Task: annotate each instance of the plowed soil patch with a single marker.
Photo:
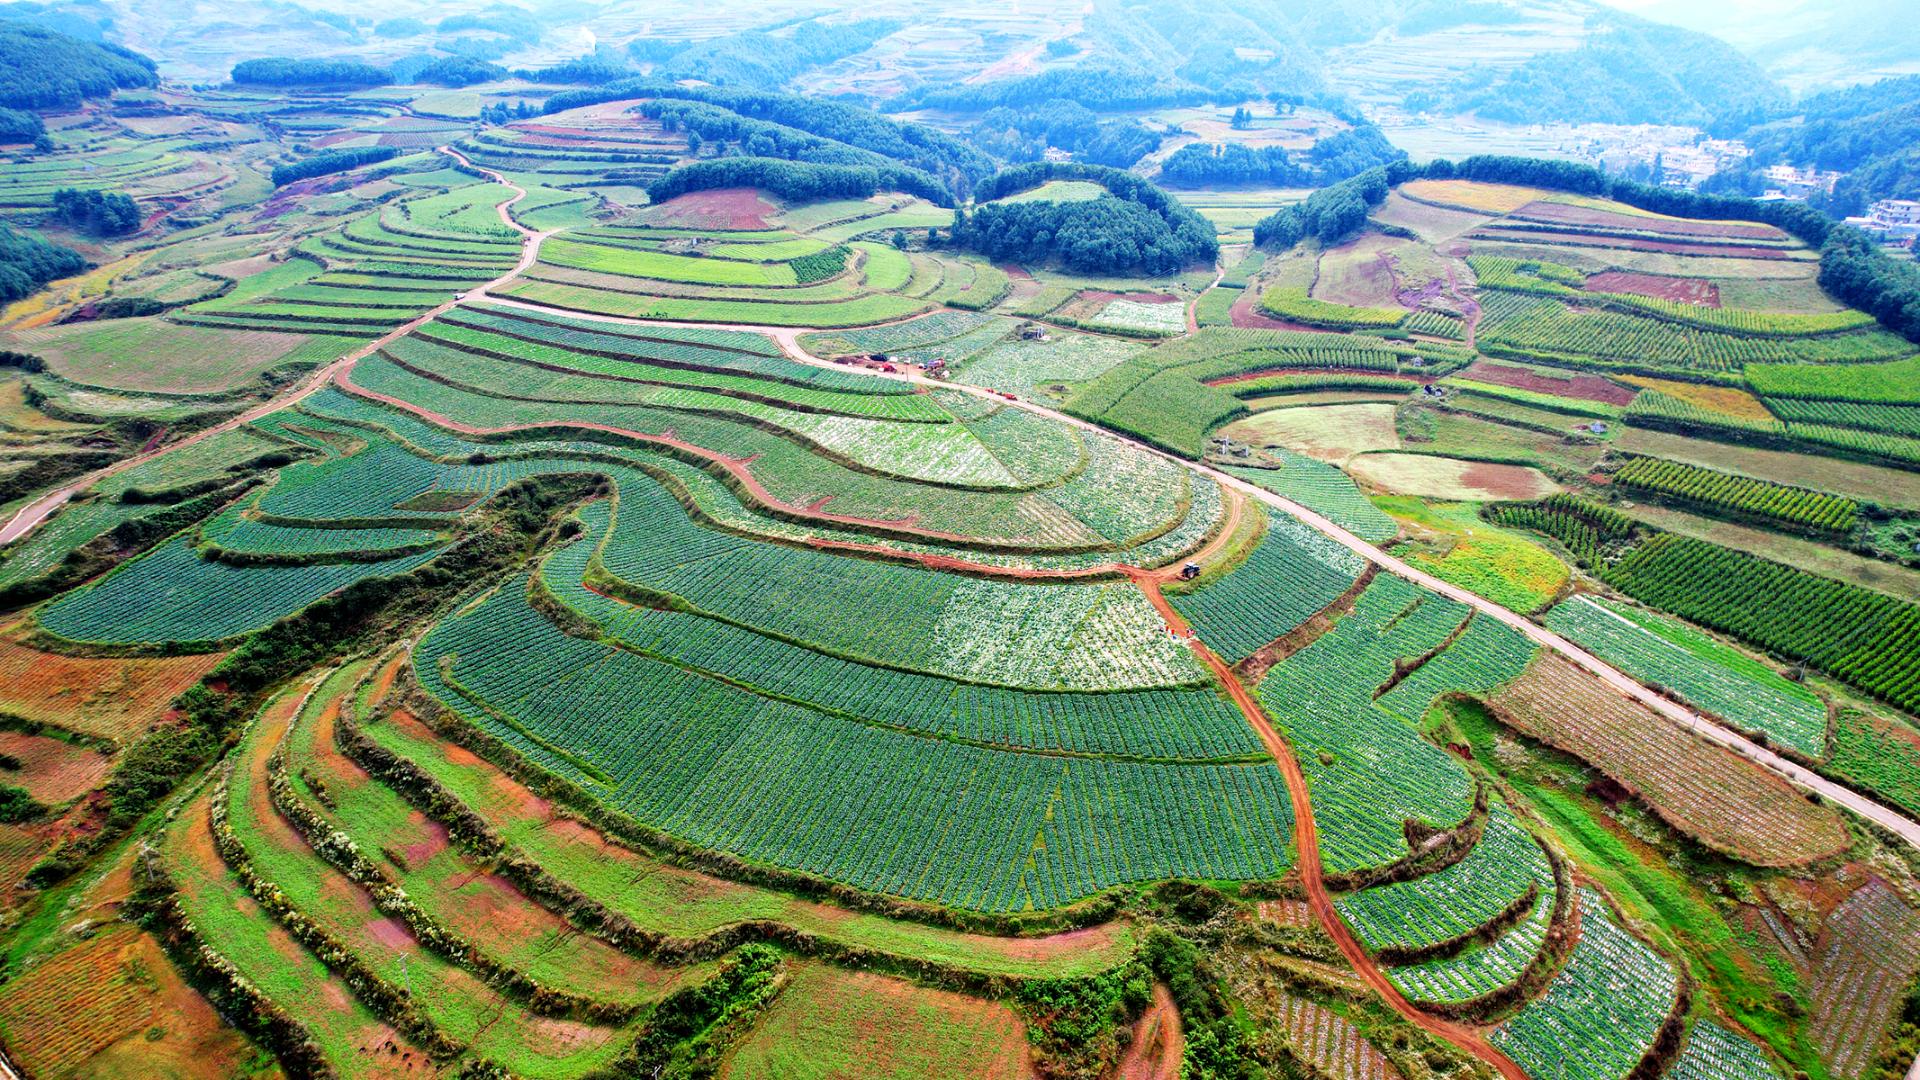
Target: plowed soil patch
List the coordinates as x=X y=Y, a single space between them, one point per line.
x=1583 y=387
x=855 y=1024
x=1670 y=247
x=52 y=771
x=720 y=208
x=1565 y=214
x=1683 y=290
x=113 y=698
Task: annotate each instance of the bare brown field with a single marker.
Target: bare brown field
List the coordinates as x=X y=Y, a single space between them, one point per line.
x=1703 y=790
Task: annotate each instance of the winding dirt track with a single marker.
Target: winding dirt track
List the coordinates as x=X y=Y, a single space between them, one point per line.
x=1306 y=838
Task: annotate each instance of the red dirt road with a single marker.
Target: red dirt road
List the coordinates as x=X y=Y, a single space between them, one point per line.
x=1307 y=841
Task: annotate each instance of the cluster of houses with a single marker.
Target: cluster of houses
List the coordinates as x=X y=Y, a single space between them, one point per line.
x=1891 y=221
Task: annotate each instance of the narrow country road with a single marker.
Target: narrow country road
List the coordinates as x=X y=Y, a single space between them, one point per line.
x=1806 y=779
x=33 y=514
x=1306 y=839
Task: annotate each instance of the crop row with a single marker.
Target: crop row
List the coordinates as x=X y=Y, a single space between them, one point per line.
x=1711 y=676
x=1631 y=340
x=1292 y=573
x=171 y=594
x=859 y=310
x=1147 y=723
x=1325 y=490
x=882 y=810
x=1456 y=901
x=462 y=337
x=1867 y=638
x=1369 y=769
x=1295 y=305
x=1728 y=491
x=1479 y=971
x=1602 y=1014
x=1048 y=636
x=1900 y=420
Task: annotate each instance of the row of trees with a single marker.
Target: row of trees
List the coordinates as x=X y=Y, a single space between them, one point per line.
x=947 y=159
x=795 y=181
x=286 y=71
x=330 y=161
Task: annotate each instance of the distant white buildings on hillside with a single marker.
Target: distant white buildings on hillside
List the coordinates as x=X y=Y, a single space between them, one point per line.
x=1892 y=221
x=1787 y=182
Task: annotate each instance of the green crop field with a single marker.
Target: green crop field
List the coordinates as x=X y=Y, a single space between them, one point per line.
x=648 y=566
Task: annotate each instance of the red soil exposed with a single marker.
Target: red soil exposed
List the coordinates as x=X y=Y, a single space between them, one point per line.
x=1504 y=481
x=1583 y=387
x=1307 y=842
x=1157 y=1046
x=719 y=208
x=1684 y=290
x=1669 y=247
x=1565 y=214
x=50 y=770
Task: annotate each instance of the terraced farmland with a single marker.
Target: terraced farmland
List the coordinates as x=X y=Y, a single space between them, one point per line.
x=702 y=652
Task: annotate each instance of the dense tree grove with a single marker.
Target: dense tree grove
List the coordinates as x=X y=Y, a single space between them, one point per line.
x=1104 y=88
x=505 y=20
x=916 y=146
x=1136 y=227
x=792 y=180
x=1329 y=215
x=285 y=71
x=459 y=71
x=587 y=71
x=99 y=213
x=28 y=262
x=19 y=125
x=399 y=28
x=1854 y=269
x=1024 y=134
x=331 y=161
x=757 y=138
x=1223 y=165
x=42 y=69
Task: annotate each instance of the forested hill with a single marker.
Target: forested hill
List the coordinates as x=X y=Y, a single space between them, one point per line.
x=763 y=61
x=1133 y=228
x=1141 y=55
x=804 y=129
x=41 y=69
x=1871 y=132
x=1629 y=71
